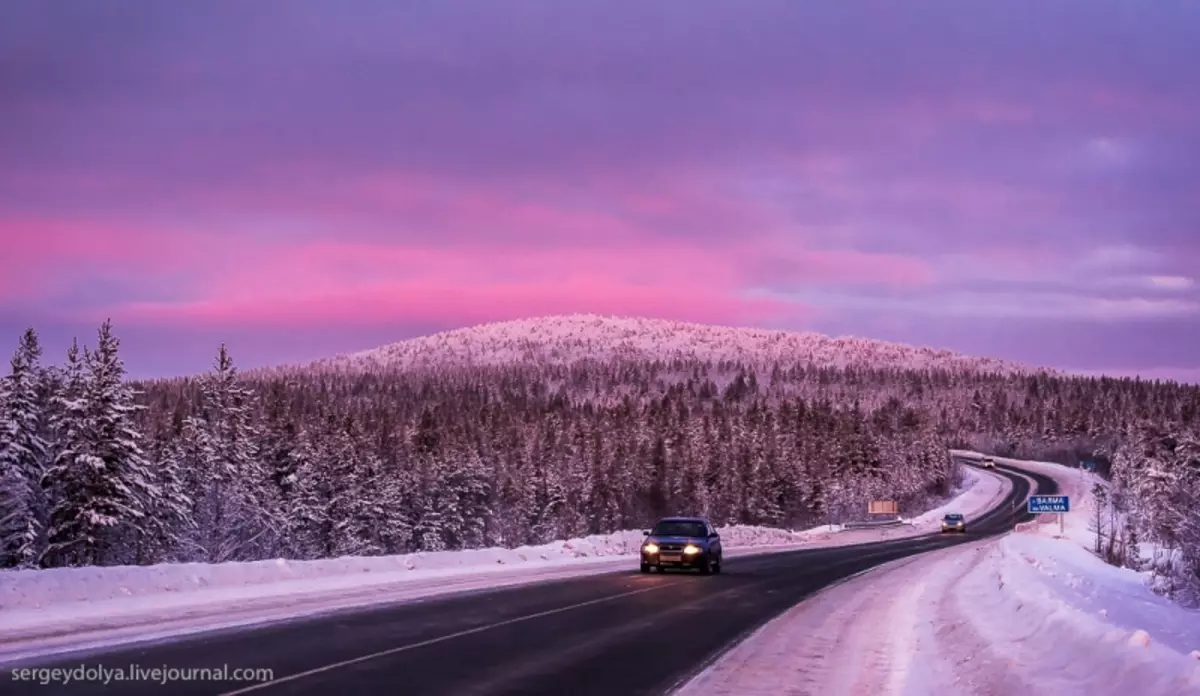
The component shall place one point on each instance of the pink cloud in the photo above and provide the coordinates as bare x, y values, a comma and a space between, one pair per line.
34, 240
432, 302
39, 253
410, 240
325, 267
374, 284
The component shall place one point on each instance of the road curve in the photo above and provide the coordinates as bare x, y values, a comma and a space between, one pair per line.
615, 633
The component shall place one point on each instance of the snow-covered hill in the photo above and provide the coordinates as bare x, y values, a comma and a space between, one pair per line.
564, 339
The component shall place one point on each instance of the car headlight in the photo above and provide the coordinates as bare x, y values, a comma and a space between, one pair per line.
650, 548
691, 549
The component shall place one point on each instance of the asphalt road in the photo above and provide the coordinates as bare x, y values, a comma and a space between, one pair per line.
616, 633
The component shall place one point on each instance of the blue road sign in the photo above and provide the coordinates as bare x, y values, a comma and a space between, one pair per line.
1039, 504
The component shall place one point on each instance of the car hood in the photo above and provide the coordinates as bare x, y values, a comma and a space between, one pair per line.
677, 540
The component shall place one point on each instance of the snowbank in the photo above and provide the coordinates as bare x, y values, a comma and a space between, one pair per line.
1028, 613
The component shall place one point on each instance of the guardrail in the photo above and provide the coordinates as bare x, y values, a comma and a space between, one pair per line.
868, 524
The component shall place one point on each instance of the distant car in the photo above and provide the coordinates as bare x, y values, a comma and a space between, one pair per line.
682, 542
954, 522
989, 463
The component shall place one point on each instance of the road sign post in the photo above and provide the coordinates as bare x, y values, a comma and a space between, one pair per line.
1051, 504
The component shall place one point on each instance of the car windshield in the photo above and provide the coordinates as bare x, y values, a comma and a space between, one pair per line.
681, 528
953, 518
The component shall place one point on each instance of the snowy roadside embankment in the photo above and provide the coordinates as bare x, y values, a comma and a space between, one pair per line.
979, 493
45, 611
1028, 613
975, 620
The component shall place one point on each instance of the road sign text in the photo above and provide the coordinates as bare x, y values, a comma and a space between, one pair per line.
1041, 504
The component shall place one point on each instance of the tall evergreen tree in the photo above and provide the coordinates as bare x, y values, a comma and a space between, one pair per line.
101, 474
234, 507
23, 454
71, 533
124, 488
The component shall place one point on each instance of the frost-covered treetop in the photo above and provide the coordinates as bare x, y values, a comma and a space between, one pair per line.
569, 338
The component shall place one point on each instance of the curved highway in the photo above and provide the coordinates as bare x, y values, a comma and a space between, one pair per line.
616, 633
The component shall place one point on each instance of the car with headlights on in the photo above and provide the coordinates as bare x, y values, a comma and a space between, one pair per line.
687, 543
954, 522
989, 463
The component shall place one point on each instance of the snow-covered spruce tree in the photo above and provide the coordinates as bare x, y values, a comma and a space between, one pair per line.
23, 454
126, 491
357, 505
433, 506
544, 495
1189, 504
1145, 475
234, 515
310, 492
70, 532
168, 524
102, 477
465, 492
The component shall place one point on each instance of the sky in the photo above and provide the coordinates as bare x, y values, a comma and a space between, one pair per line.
298, 179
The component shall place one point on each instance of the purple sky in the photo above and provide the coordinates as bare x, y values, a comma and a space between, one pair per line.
1019, 179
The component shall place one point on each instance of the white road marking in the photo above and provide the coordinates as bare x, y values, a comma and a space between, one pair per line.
440, 639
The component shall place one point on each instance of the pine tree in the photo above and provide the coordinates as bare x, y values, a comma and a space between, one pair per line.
23, 454
169, 524
101, 475
71, 533
124, 490
430, 501
233, 514
310, 529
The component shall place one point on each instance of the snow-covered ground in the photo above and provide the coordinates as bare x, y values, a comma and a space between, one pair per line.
79, 608
1028, 613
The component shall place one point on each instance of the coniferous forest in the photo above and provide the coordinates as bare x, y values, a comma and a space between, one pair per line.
98, 470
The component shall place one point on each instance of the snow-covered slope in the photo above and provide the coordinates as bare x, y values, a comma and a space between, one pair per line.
563, 339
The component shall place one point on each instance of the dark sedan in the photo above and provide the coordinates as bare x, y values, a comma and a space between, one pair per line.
954, 522
682, 542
